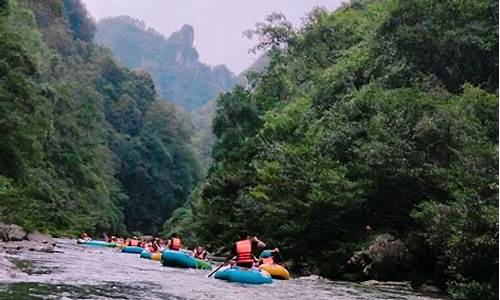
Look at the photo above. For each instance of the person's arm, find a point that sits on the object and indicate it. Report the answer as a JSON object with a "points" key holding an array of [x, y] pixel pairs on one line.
{"points": [[260, 244]]}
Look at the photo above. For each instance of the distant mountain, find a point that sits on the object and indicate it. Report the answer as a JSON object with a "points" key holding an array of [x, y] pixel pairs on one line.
{"points": [[259, 65], [202, 117], [173, 62]]}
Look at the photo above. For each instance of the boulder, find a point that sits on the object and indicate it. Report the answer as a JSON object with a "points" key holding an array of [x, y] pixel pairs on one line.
{"points": [[11, 232], [385, 258], [40, 238]]}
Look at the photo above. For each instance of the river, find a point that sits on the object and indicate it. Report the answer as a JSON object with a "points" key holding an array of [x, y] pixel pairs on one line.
{"points": [[81, 272]]}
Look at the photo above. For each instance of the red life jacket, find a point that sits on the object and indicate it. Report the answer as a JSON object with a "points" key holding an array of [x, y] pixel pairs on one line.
{"points": [[134, 242], [244, 251], [175, 244], [152, 249], [268, 260]]}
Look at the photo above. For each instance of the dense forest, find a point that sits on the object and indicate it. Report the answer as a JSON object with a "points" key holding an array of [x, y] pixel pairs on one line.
{"points": [[173, 62], [86, 144], [380, 117]]}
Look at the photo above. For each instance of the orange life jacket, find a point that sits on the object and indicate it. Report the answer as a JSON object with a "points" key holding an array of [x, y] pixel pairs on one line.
{"points": [[268, 260], [199, 255], [244, 251], [134, 242], [175, 244]]}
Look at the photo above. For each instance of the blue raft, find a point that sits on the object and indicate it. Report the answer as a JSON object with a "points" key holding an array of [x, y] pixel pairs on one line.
{"points": [[132, 249], [96, 243], [244, 275], [183, 260]]}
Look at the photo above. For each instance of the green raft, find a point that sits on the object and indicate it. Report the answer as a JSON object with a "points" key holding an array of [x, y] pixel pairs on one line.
{"points": [[183, 260], [95, 243]]}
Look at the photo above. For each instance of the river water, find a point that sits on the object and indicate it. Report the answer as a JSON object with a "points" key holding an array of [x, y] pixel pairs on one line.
{"points": [[82, 272]]}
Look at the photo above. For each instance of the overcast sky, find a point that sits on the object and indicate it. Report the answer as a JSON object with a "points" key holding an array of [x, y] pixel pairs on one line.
{"points": [[218, 24]]}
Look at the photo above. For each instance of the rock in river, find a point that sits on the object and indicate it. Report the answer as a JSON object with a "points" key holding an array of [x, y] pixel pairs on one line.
{"points": [[11, 232]]}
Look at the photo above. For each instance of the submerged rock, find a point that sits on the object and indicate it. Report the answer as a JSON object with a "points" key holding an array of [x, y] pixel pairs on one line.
{"points": [[40, 238], [12, 247], [404, 286], [397, 285], [7, 269]]}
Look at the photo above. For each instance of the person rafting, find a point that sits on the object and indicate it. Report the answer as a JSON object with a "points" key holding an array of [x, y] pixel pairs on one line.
{"points": [[200, 253], [271, 257], [174, 242], [244, 249], [155, 245], [84, 236], [133, 242]]}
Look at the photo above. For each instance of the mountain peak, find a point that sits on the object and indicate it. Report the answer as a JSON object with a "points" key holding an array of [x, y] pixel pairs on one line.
{"points": [[184, 36]]}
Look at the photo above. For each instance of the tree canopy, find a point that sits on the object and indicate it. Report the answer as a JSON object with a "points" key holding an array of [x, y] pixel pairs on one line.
{"points": [[380, 115], [85, 143]]}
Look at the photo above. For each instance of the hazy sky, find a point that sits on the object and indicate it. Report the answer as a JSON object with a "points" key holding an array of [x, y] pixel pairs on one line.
{"points": [[218, 24]]}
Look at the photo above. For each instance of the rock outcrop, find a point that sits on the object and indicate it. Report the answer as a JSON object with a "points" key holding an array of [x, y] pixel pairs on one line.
{"points": [[11, 232], [15, 239], [385, 258]]}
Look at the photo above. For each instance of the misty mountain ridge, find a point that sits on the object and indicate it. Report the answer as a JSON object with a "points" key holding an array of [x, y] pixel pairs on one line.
{"points": [[173, 62]]}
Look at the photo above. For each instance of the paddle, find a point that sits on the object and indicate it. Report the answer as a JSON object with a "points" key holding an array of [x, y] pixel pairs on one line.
{"points": [[218, 268]]}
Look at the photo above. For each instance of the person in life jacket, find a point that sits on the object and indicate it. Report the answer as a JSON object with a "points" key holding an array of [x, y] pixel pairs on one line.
{"points": [[133, 242], [200, 252], [84, 236], [244, 248], [174, 242], [155, 247], [272, 258]]}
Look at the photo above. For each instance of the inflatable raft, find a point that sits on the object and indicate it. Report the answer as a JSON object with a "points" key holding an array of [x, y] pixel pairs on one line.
{"points": [[148, 255], [181, 259], [275, 270], [244, 275], [96, 243], [132, 249]]}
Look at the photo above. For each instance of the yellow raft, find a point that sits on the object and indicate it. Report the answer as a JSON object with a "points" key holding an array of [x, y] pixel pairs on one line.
{"points": [[275, 270], [153, 256], [156, 256]]}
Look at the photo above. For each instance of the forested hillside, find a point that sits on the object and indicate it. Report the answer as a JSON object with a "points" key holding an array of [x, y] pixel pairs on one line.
{"points": [[204, 138], [172, 62], [86, 144], [381, 117]]}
